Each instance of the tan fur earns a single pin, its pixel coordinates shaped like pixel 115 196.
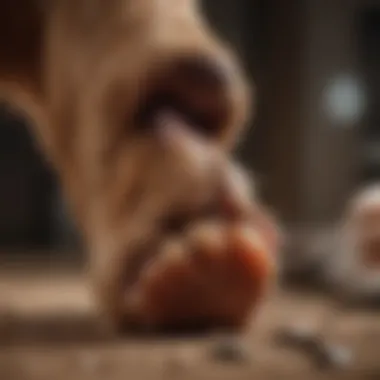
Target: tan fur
pixel 77 69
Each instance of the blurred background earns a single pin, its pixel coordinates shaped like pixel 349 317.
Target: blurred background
pixel 314 140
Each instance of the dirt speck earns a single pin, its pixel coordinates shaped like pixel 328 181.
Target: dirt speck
pixel 230 349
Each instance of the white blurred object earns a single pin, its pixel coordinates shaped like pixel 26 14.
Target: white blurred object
pixel 348 270
pixel 345 99
pixel 337 356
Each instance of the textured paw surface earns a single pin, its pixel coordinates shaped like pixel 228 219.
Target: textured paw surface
pixel 213 276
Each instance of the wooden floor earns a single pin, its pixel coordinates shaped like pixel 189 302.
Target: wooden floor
pixel 48 330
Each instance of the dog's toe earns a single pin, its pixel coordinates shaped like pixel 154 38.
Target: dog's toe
pixel 214 276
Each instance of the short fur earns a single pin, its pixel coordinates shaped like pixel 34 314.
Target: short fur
pixel 78 70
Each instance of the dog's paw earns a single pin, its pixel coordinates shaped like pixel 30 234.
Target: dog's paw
pixel 213 276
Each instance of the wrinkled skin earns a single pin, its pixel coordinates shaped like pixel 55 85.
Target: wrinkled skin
pixel 137 104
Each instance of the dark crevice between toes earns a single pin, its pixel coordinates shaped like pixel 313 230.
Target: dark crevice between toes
pixel 175 224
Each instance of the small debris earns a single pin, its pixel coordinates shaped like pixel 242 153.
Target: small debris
pixel 301 335
pixel 230 349
pixel 334 356
pixel 323 354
